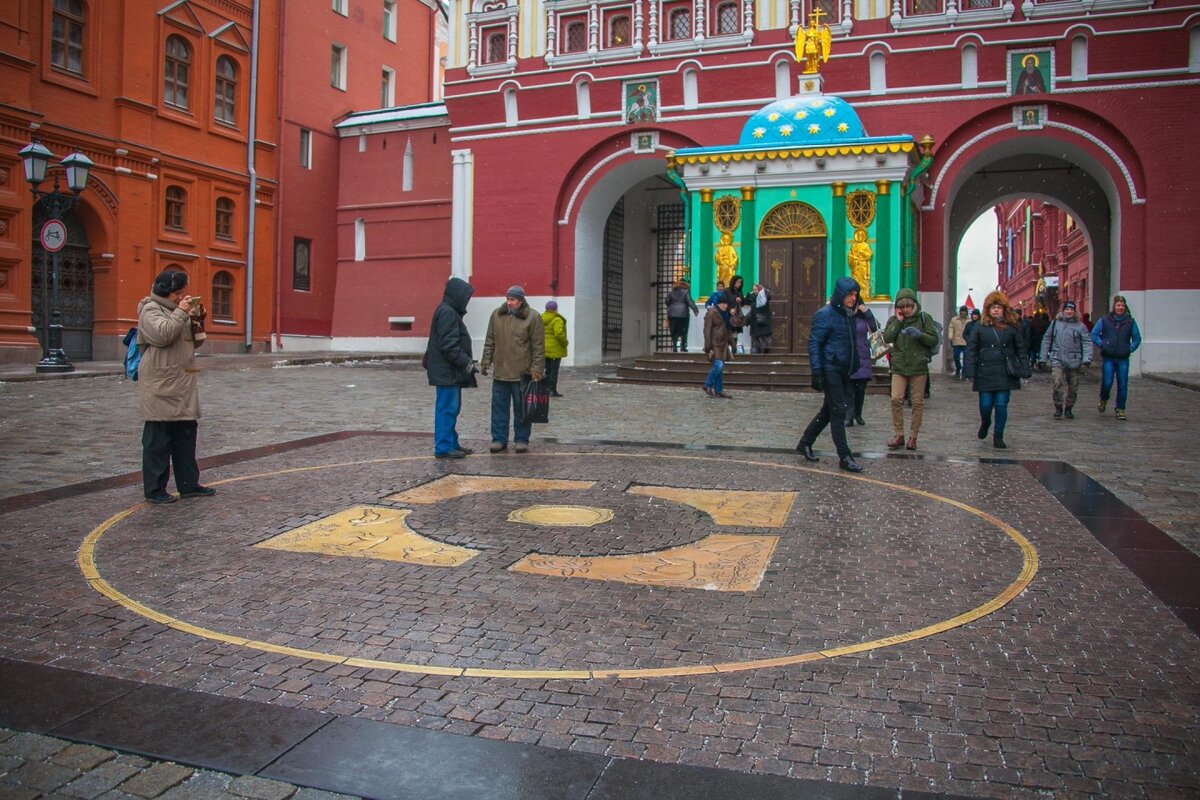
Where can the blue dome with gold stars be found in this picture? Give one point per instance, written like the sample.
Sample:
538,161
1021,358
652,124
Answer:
803,122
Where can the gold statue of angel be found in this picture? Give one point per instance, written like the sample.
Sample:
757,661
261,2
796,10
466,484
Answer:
813,43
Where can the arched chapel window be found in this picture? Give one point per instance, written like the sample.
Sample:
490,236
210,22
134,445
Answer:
618,31
727,19
680,26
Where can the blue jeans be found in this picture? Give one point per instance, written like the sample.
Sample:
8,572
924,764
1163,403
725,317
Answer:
959,351
445,418
506,399
999,401
716,376
1115,368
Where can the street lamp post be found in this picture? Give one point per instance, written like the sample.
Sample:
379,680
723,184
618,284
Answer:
53,236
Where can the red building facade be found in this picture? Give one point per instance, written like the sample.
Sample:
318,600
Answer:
184,172
1044,258
336,59
1079,103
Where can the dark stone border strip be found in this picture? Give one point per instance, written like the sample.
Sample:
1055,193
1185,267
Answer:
1169,570
359,757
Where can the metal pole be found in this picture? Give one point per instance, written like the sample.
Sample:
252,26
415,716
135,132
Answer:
54,358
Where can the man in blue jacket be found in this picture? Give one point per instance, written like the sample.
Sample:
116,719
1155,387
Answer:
833,359
1117,336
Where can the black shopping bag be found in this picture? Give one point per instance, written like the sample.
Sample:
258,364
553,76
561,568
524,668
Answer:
535,401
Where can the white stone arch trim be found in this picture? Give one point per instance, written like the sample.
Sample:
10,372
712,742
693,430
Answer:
591,173
966,39
1134,198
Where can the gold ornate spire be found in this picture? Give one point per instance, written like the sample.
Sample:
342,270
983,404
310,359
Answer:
813,43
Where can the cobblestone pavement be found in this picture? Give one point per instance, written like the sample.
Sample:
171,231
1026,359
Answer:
1084,685
54,433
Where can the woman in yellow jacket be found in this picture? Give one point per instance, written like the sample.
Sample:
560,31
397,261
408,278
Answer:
555,325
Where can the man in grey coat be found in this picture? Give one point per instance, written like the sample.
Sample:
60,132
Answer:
1067,348
515,347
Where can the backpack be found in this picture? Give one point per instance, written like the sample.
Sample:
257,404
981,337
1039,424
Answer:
133,354
937,326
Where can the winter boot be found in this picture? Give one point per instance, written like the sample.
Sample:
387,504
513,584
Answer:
1058,412
998,441
1068,413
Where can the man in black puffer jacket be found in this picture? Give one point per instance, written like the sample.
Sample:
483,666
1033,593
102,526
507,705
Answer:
450,366
833,358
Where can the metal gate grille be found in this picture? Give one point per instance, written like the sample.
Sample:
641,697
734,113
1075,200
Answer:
672,266
614,268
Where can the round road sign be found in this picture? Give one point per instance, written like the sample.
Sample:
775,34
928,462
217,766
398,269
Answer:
54,236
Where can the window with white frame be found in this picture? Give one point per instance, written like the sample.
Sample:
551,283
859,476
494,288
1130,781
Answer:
878,68
492,27
387,87
583,99
342,7
360,239
691,89
970,67
389,20
337,66
1079,58
306,148
510,107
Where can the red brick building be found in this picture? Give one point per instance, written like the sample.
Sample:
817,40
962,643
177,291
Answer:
184,172
1044,258
1082,104
337,58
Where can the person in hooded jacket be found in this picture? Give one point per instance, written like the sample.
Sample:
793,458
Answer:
555,325
864,325
996,349
912,335
1117,336
679,302
516,345
1067,348
833,356
449,366
168,397
759,319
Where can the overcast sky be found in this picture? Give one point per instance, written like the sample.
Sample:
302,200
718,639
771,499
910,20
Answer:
977,260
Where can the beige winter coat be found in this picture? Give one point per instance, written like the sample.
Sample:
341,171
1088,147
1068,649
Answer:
167,375
515,344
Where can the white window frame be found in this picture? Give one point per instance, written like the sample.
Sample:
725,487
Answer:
583,99
878,70
1079,58
306,159
341,7
487,14
360,239
337,74
691,88
389,20
970,66
387,81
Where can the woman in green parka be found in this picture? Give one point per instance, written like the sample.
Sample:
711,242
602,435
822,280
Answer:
555,325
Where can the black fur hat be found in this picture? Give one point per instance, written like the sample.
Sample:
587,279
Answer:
169,281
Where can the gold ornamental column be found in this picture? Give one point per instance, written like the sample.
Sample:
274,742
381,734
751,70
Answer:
884,255
837,232
749,237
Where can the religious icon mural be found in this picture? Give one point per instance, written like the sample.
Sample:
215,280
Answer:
641,101
1030,72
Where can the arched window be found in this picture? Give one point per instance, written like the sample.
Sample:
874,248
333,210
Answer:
575,37
583,99
176,209
970,67
225,93
510,107
878,72
680,25
176,71
495,51
691,89
222,296
727,20
66,35
1194,50
224,218
1079,58
618,31
783,80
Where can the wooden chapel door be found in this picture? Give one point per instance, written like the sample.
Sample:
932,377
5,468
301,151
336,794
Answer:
792,267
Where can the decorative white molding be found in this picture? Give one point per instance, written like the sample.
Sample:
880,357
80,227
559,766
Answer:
586,179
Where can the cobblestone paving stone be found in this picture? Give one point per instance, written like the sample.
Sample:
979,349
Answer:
1084,685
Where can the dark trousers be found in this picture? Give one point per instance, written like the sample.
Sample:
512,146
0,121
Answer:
166,443
679,333
833,413
854,406
506,400
552,365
